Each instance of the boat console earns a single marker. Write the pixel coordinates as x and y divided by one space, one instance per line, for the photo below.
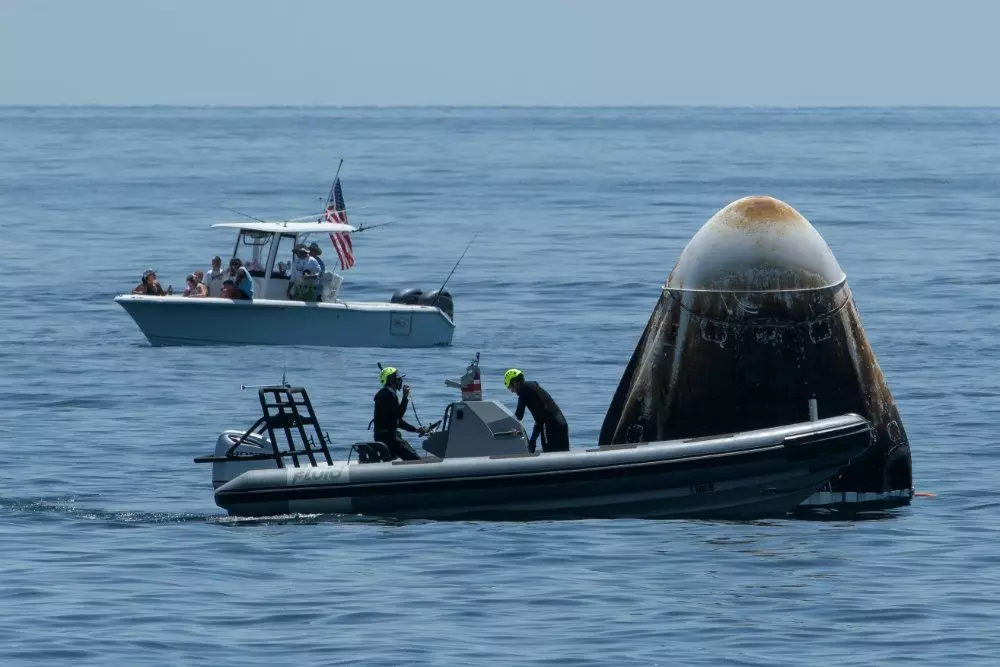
477 428
474 427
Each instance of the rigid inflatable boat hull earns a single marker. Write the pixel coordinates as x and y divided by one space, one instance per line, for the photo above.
748 475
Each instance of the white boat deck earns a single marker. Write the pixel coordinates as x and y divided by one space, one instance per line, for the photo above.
188 302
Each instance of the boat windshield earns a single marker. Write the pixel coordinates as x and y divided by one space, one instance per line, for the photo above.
284 257
253 248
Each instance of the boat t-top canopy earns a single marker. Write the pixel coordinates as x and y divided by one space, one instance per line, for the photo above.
289 227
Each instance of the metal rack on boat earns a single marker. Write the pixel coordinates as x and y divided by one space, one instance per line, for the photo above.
288 411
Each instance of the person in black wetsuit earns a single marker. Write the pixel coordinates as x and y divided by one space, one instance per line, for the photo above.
389 412
549 420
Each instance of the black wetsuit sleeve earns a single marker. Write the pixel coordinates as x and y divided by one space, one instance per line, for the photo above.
403 424
521 405
527 398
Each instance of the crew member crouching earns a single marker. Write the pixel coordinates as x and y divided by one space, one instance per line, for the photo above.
549 420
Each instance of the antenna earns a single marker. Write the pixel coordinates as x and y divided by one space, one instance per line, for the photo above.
364 228
284 381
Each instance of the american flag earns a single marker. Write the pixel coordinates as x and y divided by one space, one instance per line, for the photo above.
337 212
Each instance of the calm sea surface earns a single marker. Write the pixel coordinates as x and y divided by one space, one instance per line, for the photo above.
113 552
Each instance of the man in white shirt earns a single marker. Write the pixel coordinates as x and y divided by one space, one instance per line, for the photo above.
304 264
305 274
215 278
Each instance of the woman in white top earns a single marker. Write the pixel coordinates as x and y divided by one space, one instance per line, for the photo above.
194 288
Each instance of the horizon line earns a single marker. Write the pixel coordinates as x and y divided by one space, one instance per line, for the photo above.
496 106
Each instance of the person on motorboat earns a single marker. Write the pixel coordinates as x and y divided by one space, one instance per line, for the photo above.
315 251
244 281
389 413
304 264
549 420
215 278
194 288
150 286
305 272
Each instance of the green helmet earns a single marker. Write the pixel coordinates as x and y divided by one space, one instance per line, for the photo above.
386 373
510 376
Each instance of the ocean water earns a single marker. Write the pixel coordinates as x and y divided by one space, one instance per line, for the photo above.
113 551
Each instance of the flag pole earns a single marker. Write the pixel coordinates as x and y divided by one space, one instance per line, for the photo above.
333 185
345 243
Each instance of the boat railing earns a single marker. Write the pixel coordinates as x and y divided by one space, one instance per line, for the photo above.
288 411
446 419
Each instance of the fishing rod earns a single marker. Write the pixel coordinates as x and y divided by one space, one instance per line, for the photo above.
365 228
245 215
438 295
310 217
354 208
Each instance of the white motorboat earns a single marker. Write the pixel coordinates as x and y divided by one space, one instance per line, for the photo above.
411 318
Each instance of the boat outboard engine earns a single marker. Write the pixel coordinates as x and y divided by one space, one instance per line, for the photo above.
409 296
254 453
440 299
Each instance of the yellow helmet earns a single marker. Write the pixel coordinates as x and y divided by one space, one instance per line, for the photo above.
510 375
386 373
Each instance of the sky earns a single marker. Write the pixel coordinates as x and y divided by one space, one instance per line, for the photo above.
499 52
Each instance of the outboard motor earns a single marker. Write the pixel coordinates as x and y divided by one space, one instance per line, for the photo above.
409 296
440 299
253 453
